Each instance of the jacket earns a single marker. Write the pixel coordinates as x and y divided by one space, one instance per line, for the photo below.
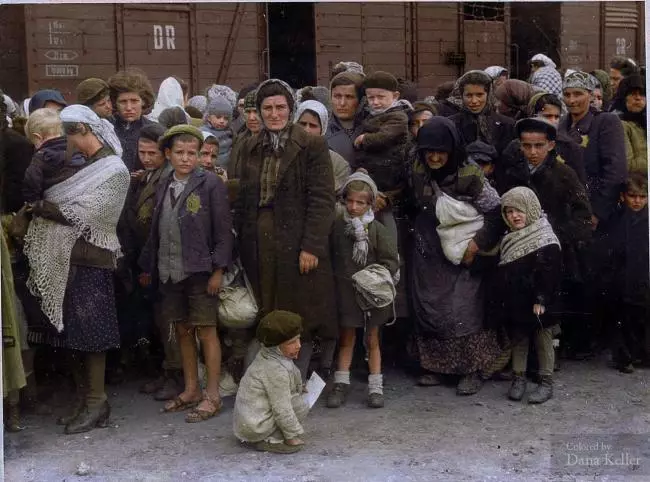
502 129
205 223
303 211
339 140
636 147
15 155
602 139
381 250
383 150
269 399
128 133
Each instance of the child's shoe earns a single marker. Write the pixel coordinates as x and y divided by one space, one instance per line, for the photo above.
518 387
629 368
375 400
543 392
337 396
375 390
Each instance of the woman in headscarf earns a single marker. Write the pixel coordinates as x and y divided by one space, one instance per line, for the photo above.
72 248
284 213
477 120
545 75
630 105
513 97
498 74
170 94
606 87
447 296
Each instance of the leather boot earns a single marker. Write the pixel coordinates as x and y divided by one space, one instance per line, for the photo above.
337 396
543 392
78 370
469 384
518 387
90 418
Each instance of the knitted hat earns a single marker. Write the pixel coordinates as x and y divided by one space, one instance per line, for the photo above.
361 175
349 67
199 102
167 139
381 80
249 100
278 326
90 90
219 106
536 124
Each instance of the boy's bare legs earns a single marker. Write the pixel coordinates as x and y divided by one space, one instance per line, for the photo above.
347 338
374 352
187 345
212 354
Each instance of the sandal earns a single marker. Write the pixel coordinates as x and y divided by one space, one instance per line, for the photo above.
180 405
198 415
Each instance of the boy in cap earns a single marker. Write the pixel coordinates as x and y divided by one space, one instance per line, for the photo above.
95 93
381 147
218 117
189 246
269 408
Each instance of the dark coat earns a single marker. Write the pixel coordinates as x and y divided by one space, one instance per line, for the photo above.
49 166
303 210
339 140
381 250
603 142
517 286
16 155
502 129
206 228
128 133
383 150
447 109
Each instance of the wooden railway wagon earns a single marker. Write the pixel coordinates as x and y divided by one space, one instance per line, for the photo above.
57 46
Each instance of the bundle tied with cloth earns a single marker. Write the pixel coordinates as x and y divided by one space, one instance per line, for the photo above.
91 201
374 285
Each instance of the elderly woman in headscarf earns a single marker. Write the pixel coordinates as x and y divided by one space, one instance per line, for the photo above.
478 120
513 97
72 248
447 288
498 74
284 214
544 75
630 105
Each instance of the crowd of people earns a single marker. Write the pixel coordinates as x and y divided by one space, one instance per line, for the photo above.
238 241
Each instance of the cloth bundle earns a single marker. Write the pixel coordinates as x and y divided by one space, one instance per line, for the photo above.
374 287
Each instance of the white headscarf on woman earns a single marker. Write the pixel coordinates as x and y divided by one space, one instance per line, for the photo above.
100 127
170 94
318 108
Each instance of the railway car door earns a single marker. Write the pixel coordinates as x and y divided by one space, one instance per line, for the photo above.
158 42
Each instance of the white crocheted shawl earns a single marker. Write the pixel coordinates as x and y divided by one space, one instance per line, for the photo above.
92 201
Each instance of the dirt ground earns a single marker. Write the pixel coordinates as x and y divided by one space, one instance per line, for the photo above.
423 434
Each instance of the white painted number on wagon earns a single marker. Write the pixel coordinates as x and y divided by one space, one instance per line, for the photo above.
621 46
164 38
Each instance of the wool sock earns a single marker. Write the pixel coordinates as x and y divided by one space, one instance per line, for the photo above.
342 377
376 383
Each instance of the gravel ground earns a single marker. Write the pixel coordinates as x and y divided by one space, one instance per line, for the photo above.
422 434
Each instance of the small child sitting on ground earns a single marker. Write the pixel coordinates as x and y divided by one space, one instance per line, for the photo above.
218 117
358 241
528 279
269 408
50 164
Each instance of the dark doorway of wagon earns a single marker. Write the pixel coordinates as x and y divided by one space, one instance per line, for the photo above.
292 43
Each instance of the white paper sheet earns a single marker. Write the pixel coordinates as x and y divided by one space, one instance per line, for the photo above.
314 387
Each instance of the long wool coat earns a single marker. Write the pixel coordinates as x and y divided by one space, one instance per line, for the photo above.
303 211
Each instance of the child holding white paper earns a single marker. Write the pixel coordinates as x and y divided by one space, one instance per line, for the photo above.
270 407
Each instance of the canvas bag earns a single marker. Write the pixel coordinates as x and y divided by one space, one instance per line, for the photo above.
237 305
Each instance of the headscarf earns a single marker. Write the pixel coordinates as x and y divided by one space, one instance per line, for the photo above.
439 134
275 138
477 77
495 71
605 84
357 228
547 79
222 91
170 94
102 128
317 108
544 60
349 67
515 96
249 100
199 102
579 80
538 232
634 82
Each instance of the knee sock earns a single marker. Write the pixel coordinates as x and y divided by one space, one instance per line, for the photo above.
376 383
342 377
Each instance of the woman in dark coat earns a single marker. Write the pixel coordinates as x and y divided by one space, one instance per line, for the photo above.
284 220
448 298
478 120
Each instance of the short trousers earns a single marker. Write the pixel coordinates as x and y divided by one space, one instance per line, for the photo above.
189 302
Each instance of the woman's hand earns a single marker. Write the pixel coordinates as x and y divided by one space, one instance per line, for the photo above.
144 279
539 310
470 253
214 283
358 141
307 261
294 441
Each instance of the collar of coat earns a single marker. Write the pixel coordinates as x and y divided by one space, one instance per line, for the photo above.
197 178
